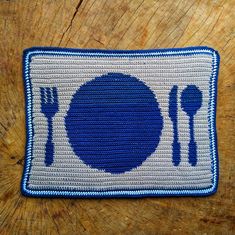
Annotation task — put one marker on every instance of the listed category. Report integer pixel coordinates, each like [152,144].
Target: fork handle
[49,145]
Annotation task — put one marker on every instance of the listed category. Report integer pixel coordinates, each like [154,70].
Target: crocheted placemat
[104,123]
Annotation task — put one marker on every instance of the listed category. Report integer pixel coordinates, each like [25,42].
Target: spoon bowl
[191,100]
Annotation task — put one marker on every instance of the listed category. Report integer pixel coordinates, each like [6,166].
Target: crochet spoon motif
[191,102]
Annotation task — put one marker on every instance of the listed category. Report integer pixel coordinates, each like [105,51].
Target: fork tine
[48,93]
[42,93]
[55,95]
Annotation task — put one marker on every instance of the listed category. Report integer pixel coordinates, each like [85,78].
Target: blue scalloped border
[28,53]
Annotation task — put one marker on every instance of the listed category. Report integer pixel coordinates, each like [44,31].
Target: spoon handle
[192,153]
[176,152]
[192,146]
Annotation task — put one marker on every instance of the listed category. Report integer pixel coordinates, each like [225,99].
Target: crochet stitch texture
[120,123]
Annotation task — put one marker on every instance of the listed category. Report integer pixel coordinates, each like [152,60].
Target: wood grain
[119,24]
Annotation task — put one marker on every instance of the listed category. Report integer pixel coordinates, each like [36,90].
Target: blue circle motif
[114,123]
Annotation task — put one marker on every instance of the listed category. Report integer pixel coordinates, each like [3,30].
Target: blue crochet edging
[28,53]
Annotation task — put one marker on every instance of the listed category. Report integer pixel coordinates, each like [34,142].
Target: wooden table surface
[120,24]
